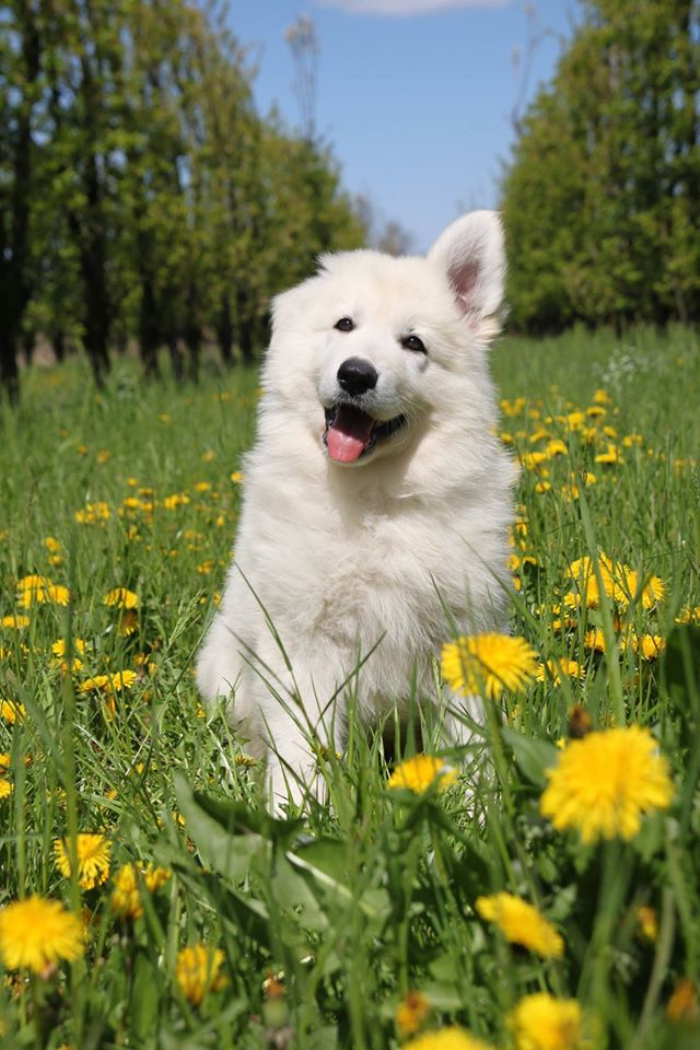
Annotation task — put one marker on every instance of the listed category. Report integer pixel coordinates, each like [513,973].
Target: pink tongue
[349,436]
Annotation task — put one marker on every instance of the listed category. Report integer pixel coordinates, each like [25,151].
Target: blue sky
[414,96]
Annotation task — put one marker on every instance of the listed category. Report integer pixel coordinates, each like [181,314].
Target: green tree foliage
[142,198]
[602,198]
[20,70]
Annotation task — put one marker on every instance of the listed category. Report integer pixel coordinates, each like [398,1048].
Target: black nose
[357,376]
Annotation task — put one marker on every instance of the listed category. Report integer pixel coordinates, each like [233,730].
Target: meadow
[538,890]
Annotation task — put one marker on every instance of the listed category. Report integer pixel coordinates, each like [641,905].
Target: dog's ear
[472,253]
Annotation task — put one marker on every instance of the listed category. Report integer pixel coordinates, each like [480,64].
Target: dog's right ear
[471,252]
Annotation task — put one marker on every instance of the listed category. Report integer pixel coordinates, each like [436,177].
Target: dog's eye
[344,324]
[412,342]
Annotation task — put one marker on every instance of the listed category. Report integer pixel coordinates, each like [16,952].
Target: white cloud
[406,7]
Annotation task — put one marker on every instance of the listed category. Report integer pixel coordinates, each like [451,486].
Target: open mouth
[351,433]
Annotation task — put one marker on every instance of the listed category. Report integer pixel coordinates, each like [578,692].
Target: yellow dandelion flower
[11,711]
[412,1013]
[609,458]
[601,397]
[594,639]
[521,923]
[532,460]
[126,901]
[209,456]
[539,435]
[654,592]
[178,499]
[60,647]
[580,722]
[103,456]
[15,623]
[91,685]
[555,669]
[5,788]
[683,1004]
[420,773]
[36,934]
[688,615]
[246,761]
[541,1022]
[556,447]
[650,646]
[122,680]
[619,582]
[94,513]
[575,420]
[236,477]
[93,858]
[595,412]
[602,784]
[57,594]
[647,923]
[197,971]
[109,683]
[52,545]
[128,623]
[31,589]
[447,1039]
[513,408]
[155,877]
[122,598]
[488,663]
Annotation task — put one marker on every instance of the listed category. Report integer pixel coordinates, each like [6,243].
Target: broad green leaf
[532,756]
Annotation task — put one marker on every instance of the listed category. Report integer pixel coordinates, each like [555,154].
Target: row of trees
[141,196]
[602,198]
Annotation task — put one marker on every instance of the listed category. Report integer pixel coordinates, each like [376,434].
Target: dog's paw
[289,787]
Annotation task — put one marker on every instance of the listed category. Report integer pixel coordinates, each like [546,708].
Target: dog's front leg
[461,717]
[297,726]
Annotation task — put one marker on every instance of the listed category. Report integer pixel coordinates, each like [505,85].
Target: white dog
[376,497]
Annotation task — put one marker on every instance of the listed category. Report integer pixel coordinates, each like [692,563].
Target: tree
[601,197]
[143,198]
[20,71]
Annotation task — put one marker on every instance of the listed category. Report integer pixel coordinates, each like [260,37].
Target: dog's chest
[378,575]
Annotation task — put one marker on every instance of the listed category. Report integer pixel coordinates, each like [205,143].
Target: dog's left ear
[472,253]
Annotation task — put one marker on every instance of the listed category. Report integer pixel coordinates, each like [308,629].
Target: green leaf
[680,669]
[533,756]
[145,989]
[219,847]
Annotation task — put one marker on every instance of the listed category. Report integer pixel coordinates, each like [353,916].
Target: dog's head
[362,349]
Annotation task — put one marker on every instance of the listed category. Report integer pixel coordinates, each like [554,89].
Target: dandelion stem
[612,656]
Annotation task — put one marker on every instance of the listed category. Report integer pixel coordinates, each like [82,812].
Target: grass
[329,925]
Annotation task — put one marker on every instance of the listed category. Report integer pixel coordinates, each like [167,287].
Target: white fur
[339,560]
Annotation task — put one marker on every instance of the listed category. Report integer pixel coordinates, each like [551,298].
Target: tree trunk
[28,342]
[224,332]
[9,373]
[193,335]
[58,342]
[193,342]
[177,359]
[14,284]
[246,326]
[92,239]
[149,334]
